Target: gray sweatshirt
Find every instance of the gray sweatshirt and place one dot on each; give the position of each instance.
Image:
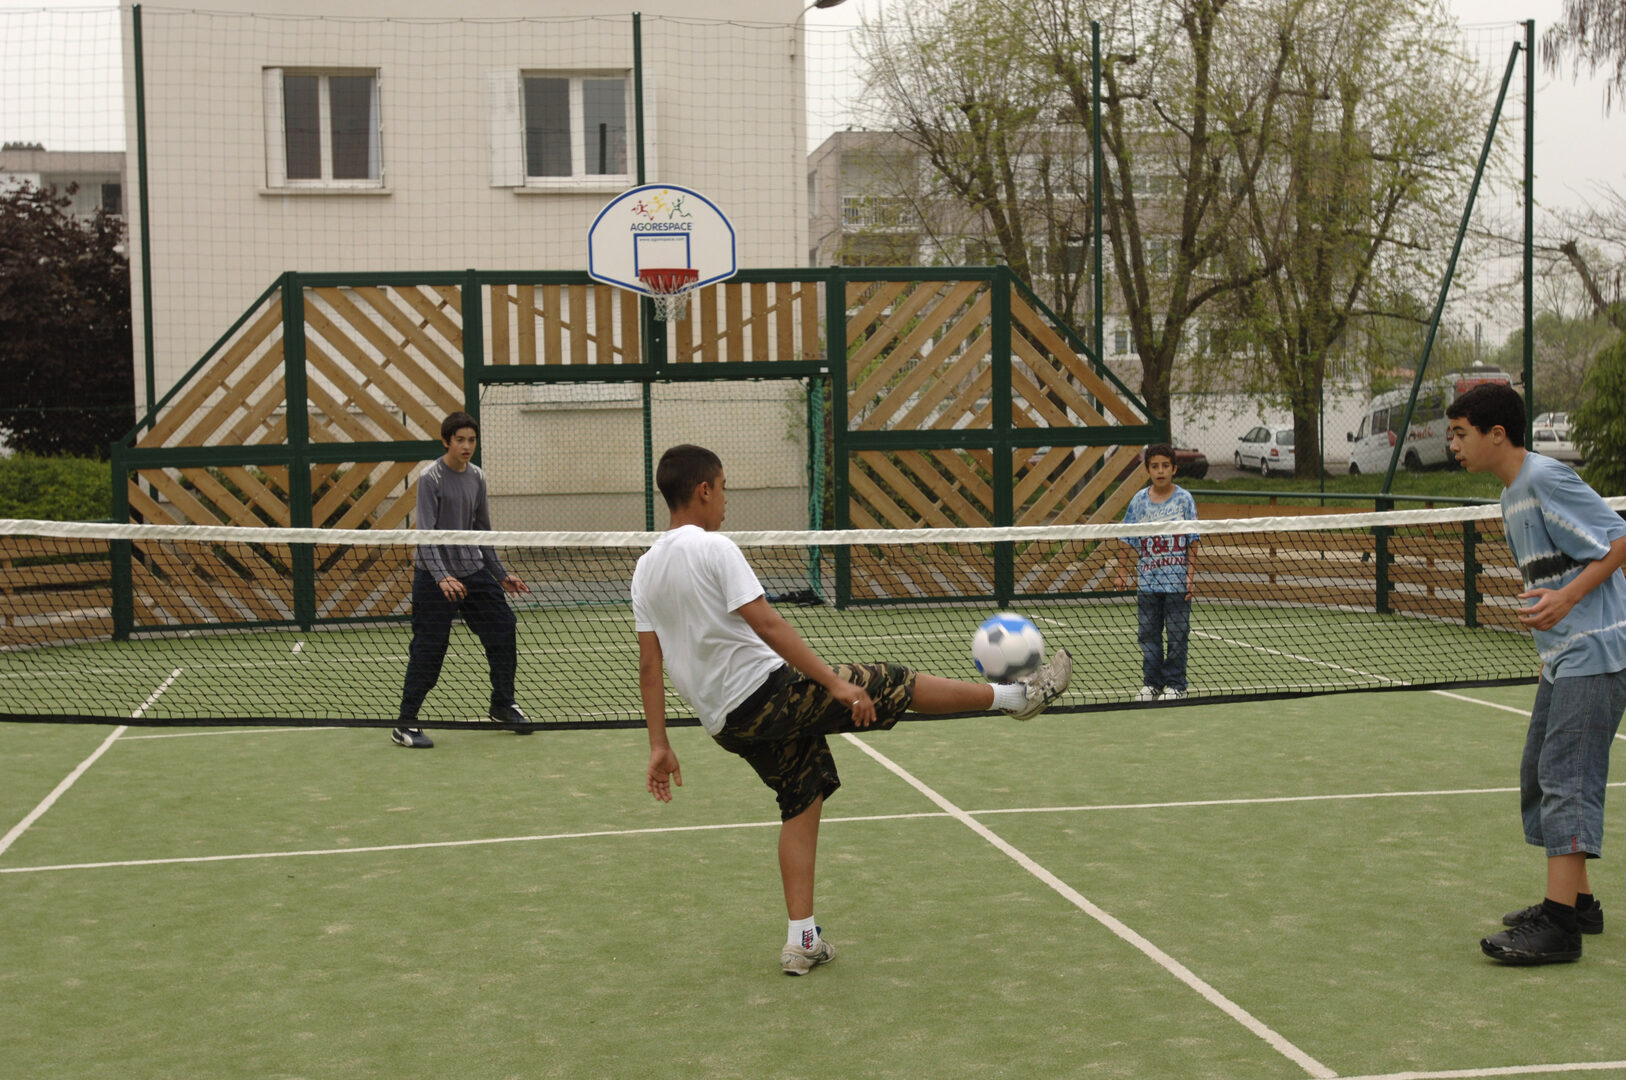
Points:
(448, 499)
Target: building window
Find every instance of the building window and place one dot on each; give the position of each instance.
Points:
(322, 129)
(1120, 341)
(113, 198)
(552, 129)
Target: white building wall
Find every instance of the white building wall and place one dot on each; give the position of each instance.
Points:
(724, 110)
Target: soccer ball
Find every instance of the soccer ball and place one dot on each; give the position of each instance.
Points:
(1007, 647)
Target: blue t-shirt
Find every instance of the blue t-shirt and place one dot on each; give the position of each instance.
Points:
(1161, 563)
(1556, 525)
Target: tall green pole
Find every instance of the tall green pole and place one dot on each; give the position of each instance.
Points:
(1098, 168)
(1450, 272)
(1529, 223)
(646, 307)
(146, 220)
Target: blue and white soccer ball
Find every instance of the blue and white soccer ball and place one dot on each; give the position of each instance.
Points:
(1007, 647)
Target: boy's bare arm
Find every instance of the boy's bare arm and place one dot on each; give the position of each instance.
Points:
(782, 638)
(1553, 604)
(663, 763)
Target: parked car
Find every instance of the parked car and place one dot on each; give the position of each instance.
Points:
(1558, 421)
(1266, 449)
(1554, 443)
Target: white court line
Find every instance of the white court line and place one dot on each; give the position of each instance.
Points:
(1295, 656)
(1505, 708)
(35, 814)
(1498, 1070)
(1168, 963)
(603, 833)
(231, 731)
(375, 849)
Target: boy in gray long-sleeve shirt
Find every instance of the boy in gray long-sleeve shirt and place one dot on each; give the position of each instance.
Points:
(449, 579)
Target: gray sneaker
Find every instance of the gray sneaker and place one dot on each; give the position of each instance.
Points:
(1045, 685)
(796, 960)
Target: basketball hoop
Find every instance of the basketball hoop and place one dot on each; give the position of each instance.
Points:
(670, 287)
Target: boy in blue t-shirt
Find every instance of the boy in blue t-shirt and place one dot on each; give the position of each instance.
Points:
(1163, 574)
(1569, 546)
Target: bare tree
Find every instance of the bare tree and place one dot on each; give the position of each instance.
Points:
(1591, 33)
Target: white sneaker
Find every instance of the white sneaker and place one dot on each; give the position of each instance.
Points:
(796, 960)
(1171, 694)
(1147, 693)
(1045, 685)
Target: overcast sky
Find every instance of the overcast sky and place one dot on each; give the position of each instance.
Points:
(1577, 146)
(77, 106)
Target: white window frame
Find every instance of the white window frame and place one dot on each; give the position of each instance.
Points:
(505, 108)
(276, 136)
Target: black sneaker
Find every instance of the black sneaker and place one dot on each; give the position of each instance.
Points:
(1537, 940)
(1589, 921)
(411, 736)
(514, 716)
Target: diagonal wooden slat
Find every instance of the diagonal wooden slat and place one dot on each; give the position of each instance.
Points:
(902, 386)
(1049, 382)
(432, 314)
(451, 367)
(883, 343)
(1024, 315)
(268, 367)
(216, 376)
(882, 295)
(352, 382)
(394, 353)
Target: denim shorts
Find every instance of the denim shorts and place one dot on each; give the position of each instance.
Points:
(780, 729)
(1565, 769)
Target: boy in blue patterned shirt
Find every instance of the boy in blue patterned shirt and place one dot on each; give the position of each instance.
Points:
(1163, 575)
(1569, 546)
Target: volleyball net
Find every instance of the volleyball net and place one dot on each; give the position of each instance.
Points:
(185, 625)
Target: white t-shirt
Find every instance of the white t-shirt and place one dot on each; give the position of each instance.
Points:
(688, 589)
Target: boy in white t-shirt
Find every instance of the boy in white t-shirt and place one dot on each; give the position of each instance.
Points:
(760, 690)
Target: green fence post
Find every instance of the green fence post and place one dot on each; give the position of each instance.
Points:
(1470, 574)
(835, 353)
(474, 349)
(299, 468)
(1381, 534)
(121, 552)
(1004, 467)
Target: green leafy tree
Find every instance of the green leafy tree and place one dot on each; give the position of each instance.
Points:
(67, 384)
(1598, 424)
(1565, 350)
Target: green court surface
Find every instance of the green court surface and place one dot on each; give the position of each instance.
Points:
(578, 663)
(1254, 890)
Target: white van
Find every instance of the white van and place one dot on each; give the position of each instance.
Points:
(1426, 443)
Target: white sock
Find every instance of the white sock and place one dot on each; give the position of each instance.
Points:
(803, 934)
(1010, 696)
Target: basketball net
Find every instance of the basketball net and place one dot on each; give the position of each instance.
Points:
(670, 288)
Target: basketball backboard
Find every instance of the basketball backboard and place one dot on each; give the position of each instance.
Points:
(660, 226)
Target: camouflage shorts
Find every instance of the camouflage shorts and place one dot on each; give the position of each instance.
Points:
(781, 728)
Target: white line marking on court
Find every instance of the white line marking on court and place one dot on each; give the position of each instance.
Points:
(299, 646)
(1295, 656)
(49, 801)
(1157, 955)
(1499, 1070)
(229, 731)
(729, 825)
(1481, 701)
(375, 849)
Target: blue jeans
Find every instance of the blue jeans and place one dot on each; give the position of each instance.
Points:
(485, 609)
(1565, 769)
(1160, 668)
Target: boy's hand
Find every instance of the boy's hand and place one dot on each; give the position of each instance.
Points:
(663, 771)
(858, 700)
(452, 589)
(514, 584)
(1548, 611)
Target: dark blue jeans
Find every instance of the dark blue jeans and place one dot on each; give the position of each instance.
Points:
(485, 609)
(1160, 668)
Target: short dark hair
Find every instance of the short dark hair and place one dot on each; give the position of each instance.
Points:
(1158, 449)
(1488, 405)
(455, 423)
(682, 469)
